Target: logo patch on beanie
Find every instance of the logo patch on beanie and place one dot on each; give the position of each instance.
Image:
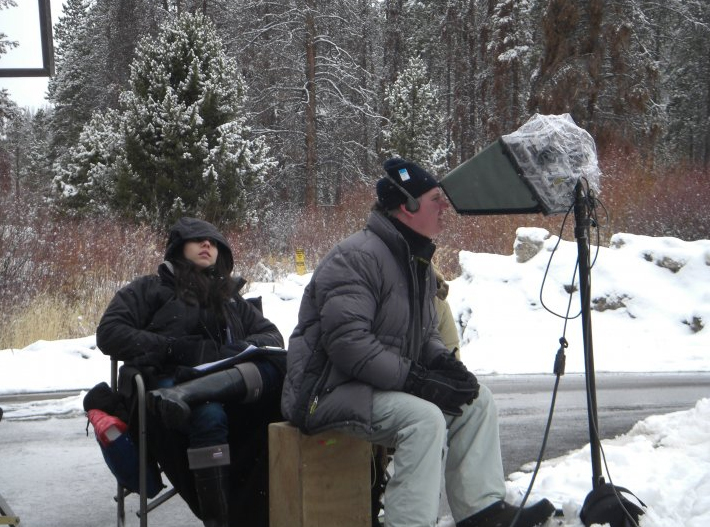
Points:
(404, 175)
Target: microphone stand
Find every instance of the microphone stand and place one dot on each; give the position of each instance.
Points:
(581, 232)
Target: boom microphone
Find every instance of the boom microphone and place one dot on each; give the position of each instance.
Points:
(534, 169)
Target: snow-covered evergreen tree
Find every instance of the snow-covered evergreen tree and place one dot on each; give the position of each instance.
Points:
(415, 130)
(180, 144)
(185, 129)
(511, 59)
(86, 184)
(69, 90)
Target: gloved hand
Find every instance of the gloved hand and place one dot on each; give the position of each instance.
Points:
(192, 350)
(155, 358)
(446, 364)
(448, 393)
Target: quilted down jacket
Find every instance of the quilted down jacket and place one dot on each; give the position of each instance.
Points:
(362, 321)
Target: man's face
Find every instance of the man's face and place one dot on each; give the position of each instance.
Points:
(201, 252)
(429, 219)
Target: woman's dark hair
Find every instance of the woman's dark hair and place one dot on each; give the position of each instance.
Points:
(210, 287)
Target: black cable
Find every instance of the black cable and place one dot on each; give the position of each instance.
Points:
(559, 371)
(566, 316)
(560, 356)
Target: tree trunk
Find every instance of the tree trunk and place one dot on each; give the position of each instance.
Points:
(310, 113)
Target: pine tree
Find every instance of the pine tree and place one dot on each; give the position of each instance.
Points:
(596, 67)
(95, 43)
(511, 53)
(85, 185)
(415, 128)
(15, 149)
(180, 144)
(69, 90)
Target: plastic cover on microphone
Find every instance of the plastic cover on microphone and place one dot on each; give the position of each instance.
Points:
(534, 169)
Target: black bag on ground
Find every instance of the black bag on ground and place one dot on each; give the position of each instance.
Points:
(102, 397)
(607, 504)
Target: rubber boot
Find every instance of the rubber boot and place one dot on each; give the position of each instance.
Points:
(210, 468)
(239, 384)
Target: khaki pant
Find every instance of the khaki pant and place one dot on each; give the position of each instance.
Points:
(419, 431)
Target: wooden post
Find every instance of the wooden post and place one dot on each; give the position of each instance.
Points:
(321, 480)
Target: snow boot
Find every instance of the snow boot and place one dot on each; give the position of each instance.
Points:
(210, 468)
(243, 383)
(501, 514)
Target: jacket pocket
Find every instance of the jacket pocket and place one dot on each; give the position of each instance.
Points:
(315, 374)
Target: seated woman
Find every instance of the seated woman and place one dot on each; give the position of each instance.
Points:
(209, 433)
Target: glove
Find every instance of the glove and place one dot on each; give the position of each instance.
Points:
(447, 393)
(446, 364)
(193, 350)
(154, 358)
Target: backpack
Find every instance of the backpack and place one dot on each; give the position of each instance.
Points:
(607, 504)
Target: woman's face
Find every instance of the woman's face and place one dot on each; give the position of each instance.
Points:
(201, 252)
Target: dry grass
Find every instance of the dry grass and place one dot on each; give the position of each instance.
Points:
(58, 275)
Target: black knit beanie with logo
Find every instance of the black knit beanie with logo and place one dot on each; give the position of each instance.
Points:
(410, 176)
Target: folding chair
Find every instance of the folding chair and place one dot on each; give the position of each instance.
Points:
(145, 505)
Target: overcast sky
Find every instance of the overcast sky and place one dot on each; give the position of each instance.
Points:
(21, 23)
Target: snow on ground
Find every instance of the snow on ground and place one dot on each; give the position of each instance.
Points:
(651, 299)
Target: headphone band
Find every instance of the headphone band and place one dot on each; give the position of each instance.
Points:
(412, 204)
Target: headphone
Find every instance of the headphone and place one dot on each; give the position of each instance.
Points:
(412, 204)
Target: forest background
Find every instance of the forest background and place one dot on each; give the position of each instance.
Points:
(272, 119)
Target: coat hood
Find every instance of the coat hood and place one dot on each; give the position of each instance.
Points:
(191, 228)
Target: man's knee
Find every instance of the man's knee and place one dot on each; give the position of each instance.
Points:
(483, 405)
(430, 420)
(485, 399)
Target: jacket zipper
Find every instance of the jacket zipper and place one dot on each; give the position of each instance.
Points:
(316, 390)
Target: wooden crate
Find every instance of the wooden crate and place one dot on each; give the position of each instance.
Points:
(321, 480)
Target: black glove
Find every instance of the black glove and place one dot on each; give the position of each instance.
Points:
(155, 358)
(448, 393)
(192, 350)
(446, 364)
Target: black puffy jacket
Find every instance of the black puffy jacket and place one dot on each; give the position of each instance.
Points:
(145, 317)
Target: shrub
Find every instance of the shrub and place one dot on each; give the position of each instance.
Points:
(57, 275)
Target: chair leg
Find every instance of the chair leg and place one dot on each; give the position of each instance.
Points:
(120, 506)
(142, 451)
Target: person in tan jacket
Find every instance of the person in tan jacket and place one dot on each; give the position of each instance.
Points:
(447, 325)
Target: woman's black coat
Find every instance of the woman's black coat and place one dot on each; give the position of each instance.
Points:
(141, 325)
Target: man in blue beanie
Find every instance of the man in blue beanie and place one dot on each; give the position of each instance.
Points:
(366, 358)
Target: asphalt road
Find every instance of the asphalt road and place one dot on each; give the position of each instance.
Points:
(622, 400)
(52, 473)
